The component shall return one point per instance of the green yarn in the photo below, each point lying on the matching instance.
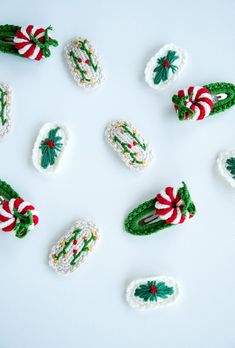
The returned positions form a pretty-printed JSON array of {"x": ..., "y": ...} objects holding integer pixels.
[
  {"x": 151, "y": 290},
  {"x": 127, "y": 130},
  {"x": 3, "y": 106},
  {"x": 46, "y": 44},
  {"x": 188, "y": 203},
  {"x": 222, "y": 87},
  {"x": 82, "y": 46},
  {"x": 78, "y": 67},
  {"x": 7, "y": 192},
  {"x": 183, "y": 111},
  {"x": 7, "y": 32},
  {"x": 144, "y": 210},
  {"x": 50, "y": 148},
  {"x": 25, "y": 221},
  {"x": 230, "y": 166},
  {"x": 84, "y": 248},
  {"x": 165, "y": 64},
  {"x": 66, "y": 244},
  {"x": 126, "y": 149}
]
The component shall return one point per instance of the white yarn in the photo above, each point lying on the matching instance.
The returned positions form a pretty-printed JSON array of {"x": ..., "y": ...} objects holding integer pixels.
[
  {"x": 98, "y": 76},
  {"x": 152, "y": 63},
  {"x": 114, "y": 129},
  {"x": 7, "y": 126},
  {"x": 64, "y": 267},
  {"x": 37, "y": 154},
  {"x": 138, "y": 303},
  {"x": 221, "y": 165}
]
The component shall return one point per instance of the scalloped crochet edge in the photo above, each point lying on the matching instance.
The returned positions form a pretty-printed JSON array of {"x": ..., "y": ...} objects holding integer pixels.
[
  {"x": 75, "y": 75},
  {"x": 152, "y": 63},
  {"x": 126, "y": 159},
  {"x": 36, "y": 153},
  {"x": 138, "y": 303},
  {"x": 221, "y": 166},
  {"x": 80, "y": 223},
  {"x": 4, "y": 130}
]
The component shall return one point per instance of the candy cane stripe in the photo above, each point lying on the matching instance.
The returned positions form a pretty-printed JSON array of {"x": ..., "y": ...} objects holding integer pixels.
[
  {"x": 24, "y": 49},
  {"x": 162, "y": 200},
  {"x": 8, "y": 226},
  {"x": 30, "y": 51}
]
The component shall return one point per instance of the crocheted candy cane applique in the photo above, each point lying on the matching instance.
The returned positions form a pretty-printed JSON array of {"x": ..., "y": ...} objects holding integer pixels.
[
  {"x": 49, "y": 147},
  {"x": 197, "y": 103},
  {"x": 169, "y": 207},
  {"x": 73, "y": 248},
  {"x": 16, "y": 215},
  {"x": 84, "y": 63},
  {"x": 152, "y": 293},
  {"x": 129, "y": 144},
  {"x": 226, "y": 166},
  {"x": 5, "y": 99},
  {"x": 165, "y": 66},
  {"x": 28, "y": 42}
]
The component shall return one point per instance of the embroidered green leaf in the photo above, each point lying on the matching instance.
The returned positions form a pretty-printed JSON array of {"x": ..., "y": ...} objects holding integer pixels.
[
  {"x": 165, "y": 64},
  {"x": 50, "y": 148},
  {"x": 230, "y": 166},
  {"x": 3, "y": 105},
  {"x": 152, "y": 290}
]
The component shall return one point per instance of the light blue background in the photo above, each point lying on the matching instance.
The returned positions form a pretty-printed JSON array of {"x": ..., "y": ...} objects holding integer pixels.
[{"x": 88, "y": 309}]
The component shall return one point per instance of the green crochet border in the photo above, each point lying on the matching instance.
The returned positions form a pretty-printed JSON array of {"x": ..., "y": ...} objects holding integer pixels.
[
  {"x": 8, "y": 30},
  {"x": 7, "y": 191},
  {"x": 143, "y": 210},
  {"x": 222, "y": 87}
]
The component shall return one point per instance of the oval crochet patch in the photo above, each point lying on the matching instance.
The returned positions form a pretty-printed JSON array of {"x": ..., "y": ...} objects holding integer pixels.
[
  {"x": 5, "y": 100},
  {"x": 165, "y": 66},
  {"x": 226, "y": 166},
  {"x": 130, "y": 145},
  {"x": 84, "y": 63},
  {"x": 74, "y": 247},
  {"x": 49, "y": 147},
  {"x": 152, "y": 293}
]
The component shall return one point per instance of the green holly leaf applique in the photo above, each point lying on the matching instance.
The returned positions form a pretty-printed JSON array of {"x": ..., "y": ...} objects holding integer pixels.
[
  {"x": 230, "y": 166},
  {"x": 165, "y": 64},
  {"x": 152, "y": 290},
  {"x": 50, "y": 148}
]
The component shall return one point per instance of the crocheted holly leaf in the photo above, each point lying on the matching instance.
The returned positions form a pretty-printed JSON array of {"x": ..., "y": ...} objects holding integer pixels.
[
  {"x": 50, "y": 148},
  {"x": 165, "y": 64},
  {"x": 152, "y": 290},
  {"x": 230, "y": 166}
]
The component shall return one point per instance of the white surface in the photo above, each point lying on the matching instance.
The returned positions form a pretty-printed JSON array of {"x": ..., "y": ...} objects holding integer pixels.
[{"x": 88, "y": 309}]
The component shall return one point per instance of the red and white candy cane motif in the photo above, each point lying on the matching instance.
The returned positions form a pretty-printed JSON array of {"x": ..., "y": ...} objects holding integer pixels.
[
  {"x": 200, "y": 102},
  {"x": 25, "y": 46},
  {"x": 8, "y": 220},
  {"x": 169, "y": 207}
]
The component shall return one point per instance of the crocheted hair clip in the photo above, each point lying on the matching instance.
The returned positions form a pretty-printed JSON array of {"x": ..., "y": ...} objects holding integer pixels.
[
  {"x": 5, "y": 99},
  {"x": 152, "y": 293},
  {"x": 49, "y": 147},
  {"x": 28, "y": 42},
  {"x": 84, "y": 63},
  {"x": 197, "y": 103},
  {"x": 130, "y": 145},
  {"x": 73, "y": 248},
  {"x": 170, "y": 207},
  {"x": 16, "y": 215},
  {"x": 165, "y": 66}
]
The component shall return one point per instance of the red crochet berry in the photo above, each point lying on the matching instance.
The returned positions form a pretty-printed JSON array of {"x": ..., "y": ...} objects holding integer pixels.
[
  {"x": 87, "y": 61},
  {"x": 152, "y": 289},
  {"x": 75, "y": 251},
  {"x": 79, "y": 60},
  {"x": 134, "y": 143},
  {"x": 50, "y": 143},
  {"x": 166, "y": 63},
  {"x": 129, "y": 145},
  {"x": 75, "y": 242}
]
